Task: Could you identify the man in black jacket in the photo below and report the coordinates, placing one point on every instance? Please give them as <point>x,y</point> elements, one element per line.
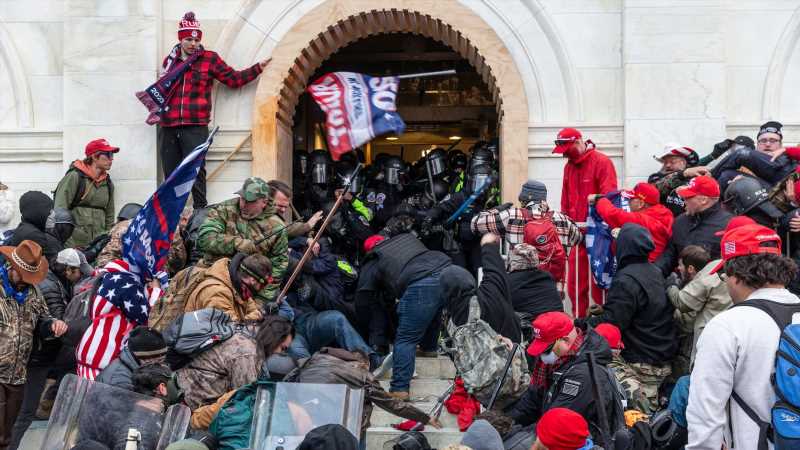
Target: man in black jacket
<point>561,376</point>
<point>458,286</point>
<point>638,306</point>
<point>704,216</point>
<point>35,207</point>
<point>402,267</point>
<point>145,346</point>
<point>533,291</point>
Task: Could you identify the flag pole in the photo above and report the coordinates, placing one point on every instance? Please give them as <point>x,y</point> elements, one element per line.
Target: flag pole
<point>428,74</point>
<point>317,236</point>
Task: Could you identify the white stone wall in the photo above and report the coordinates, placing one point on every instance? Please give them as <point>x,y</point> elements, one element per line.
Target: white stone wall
<point>632,74</point>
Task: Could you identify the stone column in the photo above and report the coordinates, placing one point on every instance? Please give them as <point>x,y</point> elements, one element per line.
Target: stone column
<point>110,53</point>
<point>675,83</point>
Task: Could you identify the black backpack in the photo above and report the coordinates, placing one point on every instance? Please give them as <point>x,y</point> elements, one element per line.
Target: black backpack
<point>194,332</point>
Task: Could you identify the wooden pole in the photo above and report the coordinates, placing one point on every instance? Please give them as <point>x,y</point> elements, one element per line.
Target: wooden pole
<point>228,158</point>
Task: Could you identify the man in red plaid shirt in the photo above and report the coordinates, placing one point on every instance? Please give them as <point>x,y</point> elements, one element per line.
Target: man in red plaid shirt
<point>184,122</point>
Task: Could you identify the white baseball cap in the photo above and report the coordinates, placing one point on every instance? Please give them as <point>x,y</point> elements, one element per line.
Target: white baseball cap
<point>74,258</point>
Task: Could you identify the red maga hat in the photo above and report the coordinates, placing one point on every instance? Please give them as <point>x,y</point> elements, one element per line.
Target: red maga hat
<point>702,185</point>
<point>645,192</point>
<point>736,222</point>
<point>566,137</point>
<point>747,240</point>
<point>548,328</point>
<point>100,145</point>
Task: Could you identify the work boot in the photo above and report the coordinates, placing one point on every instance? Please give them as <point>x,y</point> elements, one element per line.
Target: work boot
<point>400,395</point>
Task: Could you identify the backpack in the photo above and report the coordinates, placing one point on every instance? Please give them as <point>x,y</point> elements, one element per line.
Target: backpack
<point>480,359</point>
<point>81,192</point>
<point>541,233</point>
<point>77,314</point>
<point>784,426</point>
<point>173,303</point>
<point>231,426</point>
<point>195,332</point>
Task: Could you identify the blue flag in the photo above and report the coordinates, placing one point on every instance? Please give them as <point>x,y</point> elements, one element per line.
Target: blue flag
<point>599,240</point>
<point>145,245</point>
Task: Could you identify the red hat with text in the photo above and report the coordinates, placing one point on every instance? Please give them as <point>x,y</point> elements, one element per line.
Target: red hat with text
<point>747,240</point>
<point>548,328</point>
<point>566,137</point>
<point>99,146</point>
<point>673,149</point>
<point>645,192</point>
<point>702,185</point>
<point>189,26</point>
<point>736,222</point>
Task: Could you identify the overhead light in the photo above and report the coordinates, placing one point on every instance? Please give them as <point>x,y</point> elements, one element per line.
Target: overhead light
<point>454,138</point>
<point>392,138</point>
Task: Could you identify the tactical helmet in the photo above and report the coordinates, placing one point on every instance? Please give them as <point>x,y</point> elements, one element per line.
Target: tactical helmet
<point>481,155</point>
<point>478,176</point>
<point>393,169</point>
<point>436,161</point>
<point>456,160</point>
<point>320,166</point>
<point>748,195</point>
<point>344,173</point>
<point>129,211</point>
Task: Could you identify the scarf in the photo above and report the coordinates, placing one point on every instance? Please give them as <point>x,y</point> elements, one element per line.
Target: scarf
<point>541,374</point>
<point>158,94</point>
<point>19,296</point>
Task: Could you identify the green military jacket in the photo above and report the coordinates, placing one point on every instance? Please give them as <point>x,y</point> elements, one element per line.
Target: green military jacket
<point>224,224</point>
<point>94,214</point>
<point>17,325</point>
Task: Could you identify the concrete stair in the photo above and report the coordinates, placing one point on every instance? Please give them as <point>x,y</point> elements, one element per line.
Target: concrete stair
<point>433,377</point>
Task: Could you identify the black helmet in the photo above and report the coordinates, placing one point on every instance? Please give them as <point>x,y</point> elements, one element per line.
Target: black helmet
<point>300,166</point>
<point>344,172</point>
<point>436,161</point>
<point>456,160</point>
<point>129,211</point>
<point>748,195</point>
<point>440,190</point>
<point>319,166</point>
<point>478,176</point>
<point>393,169</point>
<point>411,440</point>
<point>481,155</point>
<point>667,434</point>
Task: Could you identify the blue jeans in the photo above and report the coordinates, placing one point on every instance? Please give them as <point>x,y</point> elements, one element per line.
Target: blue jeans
<point>679,400</point>
<point>418,313</point>
<point>324,329</point>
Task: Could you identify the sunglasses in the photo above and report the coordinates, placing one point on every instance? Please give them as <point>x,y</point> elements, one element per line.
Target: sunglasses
<point>560,142</point>
<point>768,141</point>
<point>108,155</point>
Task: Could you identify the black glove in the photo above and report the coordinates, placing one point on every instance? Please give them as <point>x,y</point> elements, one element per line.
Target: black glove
<point>721,147</point>
<point>673,280</point>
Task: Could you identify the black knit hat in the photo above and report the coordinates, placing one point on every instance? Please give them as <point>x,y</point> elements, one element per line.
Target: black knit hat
<point>146,343</point>
<point>532,191</point>
<point>771,127</point>
<point>745,141</point>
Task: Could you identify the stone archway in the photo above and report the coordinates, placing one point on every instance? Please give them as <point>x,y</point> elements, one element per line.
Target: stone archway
<point>337,23</point>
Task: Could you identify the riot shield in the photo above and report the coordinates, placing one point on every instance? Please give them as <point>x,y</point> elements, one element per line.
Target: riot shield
<point>284,412</point>
<point>86,410</point>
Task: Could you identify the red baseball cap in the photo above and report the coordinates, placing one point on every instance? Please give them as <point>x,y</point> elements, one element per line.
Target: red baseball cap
<point>372,241</point>
<point>612,334</point>
<point>673,149</point>
<point>566,137</point>
<point>99,145</point>
<point>736,222</point>
<point>548,328</point>
<point>562,429</point>
<point>645,192</point>
<point>747,240</point>
<point>702,185</point>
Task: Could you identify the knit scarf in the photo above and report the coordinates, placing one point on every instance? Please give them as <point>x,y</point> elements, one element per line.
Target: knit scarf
<point>156,97</point>
<point>8,288</point>
<point>542,373</point>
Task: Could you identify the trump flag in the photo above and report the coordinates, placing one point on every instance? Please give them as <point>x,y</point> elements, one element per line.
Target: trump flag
<point>357,108</point>
<point>146,243</point>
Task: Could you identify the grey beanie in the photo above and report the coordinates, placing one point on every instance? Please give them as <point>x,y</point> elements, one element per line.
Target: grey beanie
<point>533,191</point>
<point>481,435</point>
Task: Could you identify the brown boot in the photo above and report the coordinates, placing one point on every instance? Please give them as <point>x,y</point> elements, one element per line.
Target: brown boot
<point>400,395</point>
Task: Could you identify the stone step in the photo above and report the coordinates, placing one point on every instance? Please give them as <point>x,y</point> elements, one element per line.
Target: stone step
<point>439,368</point>
<point>378,436</point>
<point>381,418</point>
<point>424,389</point>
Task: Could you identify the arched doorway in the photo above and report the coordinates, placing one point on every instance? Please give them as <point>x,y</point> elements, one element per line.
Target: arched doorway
<point>304,48</point>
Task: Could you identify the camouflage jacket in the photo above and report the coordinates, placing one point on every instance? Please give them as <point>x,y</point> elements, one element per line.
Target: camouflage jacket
<point>224,224</point>
<point>222,368</point>
<point>17,325</point>
<point>113,250</point>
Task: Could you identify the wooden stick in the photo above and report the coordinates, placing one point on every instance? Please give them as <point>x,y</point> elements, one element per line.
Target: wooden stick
<point>228,158</point>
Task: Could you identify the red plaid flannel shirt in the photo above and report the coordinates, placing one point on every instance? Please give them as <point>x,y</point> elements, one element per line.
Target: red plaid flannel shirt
<point>510,224</point>
<point>191,104</point>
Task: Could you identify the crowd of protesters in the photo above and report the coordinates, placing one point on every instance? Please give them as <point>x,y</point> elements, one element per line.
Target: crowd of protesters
<point>676,349</point>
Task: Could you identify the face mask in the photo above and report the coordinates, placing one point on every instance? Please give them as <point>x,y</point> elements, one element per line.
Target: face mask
<point>572,153</point>
<point>549,358</point>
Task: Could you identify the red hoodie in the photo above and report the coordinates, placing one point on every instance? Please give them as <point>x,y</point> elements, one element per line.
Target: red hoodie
<point>657,219</point>
<point>590,173</point>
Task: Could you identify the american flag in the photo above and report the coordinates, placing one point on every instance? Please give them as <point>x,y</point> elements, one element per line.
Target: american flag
<point>598,243</point>
<point>120,304</point>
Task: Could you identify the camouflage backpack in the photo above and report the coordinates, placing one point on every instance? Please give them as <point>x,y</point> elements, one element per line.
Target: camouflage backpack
<point>173,303</point>
<point>480,357</point>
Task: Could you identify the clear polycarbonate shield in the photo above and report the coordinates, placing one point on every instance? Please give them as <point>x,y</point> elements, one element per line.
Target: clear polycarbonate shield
<point>284,412</point>
<point>86,410</point>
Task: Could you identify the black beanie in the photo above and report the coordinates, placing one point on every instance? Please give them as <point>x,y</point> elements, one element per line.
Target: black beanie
<point>146,343</point>
<point>745,141</point>
<point>532,191</point>
<point>771,127</point>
